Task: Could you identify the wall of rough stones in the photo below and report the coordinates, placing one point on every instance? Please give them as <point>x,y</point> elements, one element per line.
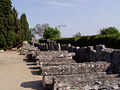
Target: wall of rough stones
<point>76,68</point>
<point>53,46</point>
<point>97,83</point>
<point>81,76</point>
<point>101,53</point>
<point>84,54</point>
<point>61,72</point>
<point>52,58</point>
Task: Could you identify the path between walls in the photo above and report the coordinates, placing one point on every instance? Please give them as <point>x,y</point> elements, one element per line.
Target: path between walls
<point>16,74</point>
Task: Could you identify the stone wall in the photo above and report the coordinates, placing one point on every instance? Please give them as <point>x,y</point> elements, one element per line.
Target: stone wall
<point>100,53</point>
<point>61,72</point>
<point>76,68</point>
<point>55,62</point>
<point>93,83</point>
<point>65,46</point>
<point>53,46</point>
<point>82,76</point>
<point>54,58</point>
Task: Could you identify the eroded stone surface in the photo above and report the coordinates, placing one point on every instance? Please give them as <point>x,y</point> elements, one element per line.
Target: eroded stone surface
<point>61,72</point>
<point>76,68</point>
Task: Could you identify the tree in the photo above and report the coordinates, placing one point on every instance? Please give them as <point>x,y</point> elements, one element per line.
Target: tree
<point>5,7</point>
<point>11,30</point>
<point>26,34</point>
<point>51,33</point>
<point>17,26</point>
<point>39,29</point>
<point>6,24</point>
<point>109,31</point>
<point>6,16</point>
<point>77,34</point>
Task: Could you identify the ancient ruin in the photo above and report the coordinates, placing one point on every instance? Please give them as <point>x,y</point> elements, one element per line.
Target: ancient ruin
<point>75,68</point>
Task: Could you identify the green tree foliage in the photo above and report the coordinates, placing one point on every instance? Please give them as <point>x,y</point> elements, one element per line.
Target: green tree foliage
<point>17,27</point>
<point>77,34</point>
<point>51,33</point>
<point>5,7</point>
<point>26,34</point>
<point>6,14</point>
<point>10,26</point>
<point>3,43</point>
<point>110,41</point>
<point>109,31</point>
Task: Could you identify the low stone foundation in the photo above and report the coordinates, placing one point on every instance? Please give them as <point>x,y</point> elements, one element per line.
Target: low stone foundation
<point>76,68</point>
<point>93,72</point>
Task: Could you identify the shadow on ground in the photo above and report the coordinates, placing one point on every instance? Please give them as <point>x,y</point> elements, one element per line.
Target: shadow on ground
<point>36,72</point>
<point>36,85</point>
<point>34,68</point>
<point>31,64</point>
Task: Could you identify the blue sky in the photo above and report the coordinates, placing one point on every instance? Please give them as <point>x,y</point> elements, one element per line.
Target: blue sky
<point>85,16</point>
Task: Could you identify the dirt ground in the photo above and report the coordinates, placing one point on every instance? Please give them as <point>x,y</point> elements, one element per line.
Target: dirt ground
<point>16,74</point>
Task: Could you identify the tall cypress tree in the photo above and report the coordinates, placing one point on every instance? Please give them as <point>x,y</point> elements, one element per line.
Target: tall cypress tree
<point>11,28</point>
<point>6,14</point>
<point>25,27</point>
<point>5,7</point>
<point>17,26</point>
<point>6,23</point>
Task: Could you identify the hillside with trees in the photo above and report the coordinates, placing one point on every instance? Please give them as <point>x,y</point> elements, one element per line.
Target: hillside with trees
<point>13,31</point>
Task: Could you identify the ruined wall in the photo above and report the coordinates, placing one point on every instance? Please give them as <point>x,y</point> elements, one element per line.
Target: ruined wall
<point>27,48</point>
<point>53,46</point>
<point>61,72</point>
<point>100,53</point>
<point>76,68</point>
<point>94,83</point>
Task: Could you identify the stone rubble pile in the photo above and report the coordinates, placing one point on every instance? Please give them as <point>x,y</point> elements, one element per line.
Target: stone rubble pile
<point>27,48</point>
<point>61,72</point>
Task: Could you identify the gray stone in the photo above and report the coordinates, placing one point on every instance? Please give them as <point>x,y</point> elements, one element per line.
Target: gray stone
<point>75,68</point>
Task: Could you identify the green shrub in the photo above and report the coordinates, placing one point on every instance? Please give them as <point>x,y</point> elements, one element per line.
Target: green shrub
<point>110,41</point>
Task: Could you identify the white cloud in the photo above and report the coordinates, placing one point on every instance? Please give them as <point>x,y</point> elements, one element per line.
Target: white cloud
<point>61,4</point>
<point>77,6</point>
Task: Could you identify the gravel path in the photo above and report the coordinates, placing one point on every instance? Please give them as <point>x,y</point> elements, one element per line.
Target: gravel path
<point>15,74</point>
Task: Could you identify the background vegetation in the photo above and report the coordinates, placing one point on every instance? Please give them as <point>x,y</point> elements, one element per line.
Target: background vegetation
<point>110,38</point>
<point>51,33</point>
<point>12,29</point>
